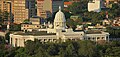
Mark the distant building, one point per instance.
(116, 22)
(66, 4)
(29, 27)
(115, 1)
(45, 8)
(57, 33)
(106, 22)
(40, 11)
(31, 6)
(96, 36)
(75, 17)
(23, 9)
(94, 6)
(6, 6)
(79, 27)
(97, 27)
(34, 23)
(35, 20)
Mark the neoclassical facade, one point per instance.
(55, 33)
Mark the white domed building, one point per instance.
(54, 33)
(60, 20)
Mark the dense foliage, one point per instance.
(3, 16)
(15, 27)
(114, 32)
(62, 49)
(80, 8)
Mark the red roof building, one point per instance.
(66, 4)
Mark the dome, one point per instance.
(59, 17)
(59, 21)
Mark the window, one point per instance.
(37, 26)
(44, 39)
(24, 40)
(48, 39)
(40, 40)
(98, 37)
(88, 38)
(102, 37)
(27, 25)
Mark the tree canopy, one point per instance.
(69, 48)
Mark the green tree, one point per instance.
(70, 51)
(21, 52)
(4, 16)
(15, 27)
(52, 50)
(113, 52)
(87, 49)
(41, 53)
(78, 7)
(26, 21)
(62, 53)
(2, 46)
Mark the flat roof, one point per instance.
(67, 3)
(35, 33)
(93, 32)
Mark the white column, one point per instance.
(105, 37)
(96, 39)
(13, 44)
(10, 40)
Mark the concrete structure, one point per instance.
(26, 27)
(106, 22)
(23, 9)
(35, 20)
(45, 8)
(40, 11)
(94, 5)
(30, 5)
(116, 22)
(6, 6)
(98, 36)
(34, 23)
(54, 34)
(75, 17)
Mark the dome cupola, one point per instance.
(59, 20)
(59, 17)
